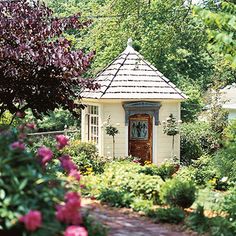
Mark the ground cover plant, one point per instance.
(125, 184)
(173, 215)
(128, 184)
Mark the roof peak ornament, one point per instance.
(130, 42)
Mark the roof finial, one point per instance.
(130, 42)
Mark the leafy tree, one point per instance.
(166, 33)
(58, 119)
(38, 68)
(220, 20)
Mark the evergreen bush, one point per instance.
(178, 192)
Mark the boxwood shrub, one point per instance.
(178, 192)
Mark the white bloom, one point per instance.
(224, 179)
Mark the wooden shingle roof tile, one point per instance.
(129, 76)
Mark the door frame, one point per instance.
(139, 107)
(150, 138)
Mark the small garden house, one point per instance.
(136, 98)
(229, 100)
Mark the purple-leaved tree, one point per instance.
(38, 68)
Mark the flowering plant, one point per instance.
(34, 200)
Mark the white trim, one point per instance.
(154, 146)
(127, 140)
(101, 131)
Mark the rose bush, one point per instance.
(33, 199)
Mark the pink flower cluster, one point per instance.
(18, 145)
(62, 141)
(32, 220)
(69, 166)
(31, 126)
(69, 211)
(22, 135)
(75, 231)
(45, 154)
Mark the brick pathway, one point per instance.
(124, 222)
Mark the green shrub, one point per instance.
(197, 220)
(177, 192)
(168, 215)
(93, 227)
(165, 171)
(55, 120)
(146, 187)
(115, 198)
(127, 178)
(216, 226)
(229, 204)
(204, 171)
(220, 226)
(86, 157)
(90, 185)
(224, 160)
(139, 204)
(123, 176)
(149, 170)
(197, 139)
(187, 173)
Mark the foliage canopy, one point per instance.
(38, 67)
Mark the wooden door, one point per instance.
(140, 137)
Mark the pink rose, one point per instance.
(21, 128)
(62, 141)
(32, 220)
(82, 186)
(22, 136)
(75, 174)
(75, 231)
(45, 153)
(69, 212)
(30, 125)
(20, 114)
(72, 196)
(18, 145)
(67, 164)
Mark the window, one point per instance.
(93, 124)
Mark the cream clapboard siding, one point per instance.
(117, 114)
(162, 143)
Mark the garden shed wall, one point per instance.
(161, 150)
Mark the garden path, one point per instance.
(124, 222)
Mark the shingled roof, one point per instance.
(129, 76)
